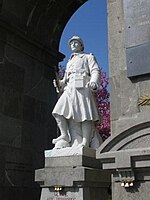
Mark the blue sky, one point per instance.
(90, 23)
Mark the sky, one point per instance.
(90, 23)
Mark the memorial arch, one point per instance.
(30, 32)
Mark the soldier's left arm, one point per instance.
(94, 70)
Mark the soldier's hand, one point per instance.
(93, 86)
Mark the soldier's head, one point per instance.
(76, 44)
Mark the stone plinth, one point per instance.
(75, 177)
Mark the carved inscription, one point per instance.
(61, 198)
(137, 36)
(137, 21)
(139, 11)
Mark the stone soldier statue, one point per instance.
(76, 110)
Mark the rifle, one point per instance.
(56, 81)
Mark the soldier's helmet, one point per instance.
(75, 37)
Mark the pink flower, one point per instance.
(103, 106)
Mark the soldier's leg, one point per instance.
(63, 126)
(75, 132)
(86, 133)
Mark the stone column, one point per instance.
(126, 153)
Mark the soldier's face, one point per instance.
(75, 46)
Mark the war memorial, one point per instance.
(78, 168)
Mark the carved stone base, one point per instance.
(71, 151)
(75, 177)
(75, 193)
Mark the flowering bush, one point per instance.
(102, 97)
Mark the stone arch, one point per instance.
(135, 137)
(41, 21)
(127, 150)
(29, 39)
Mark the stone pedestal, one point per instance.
(75, 177)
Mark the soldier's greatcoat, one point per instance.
(78, 100)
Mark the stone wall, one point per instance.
(125, 91)
(126, 153)
(30, 32)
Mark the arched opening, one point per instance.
(90, 23)
(29, 36)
